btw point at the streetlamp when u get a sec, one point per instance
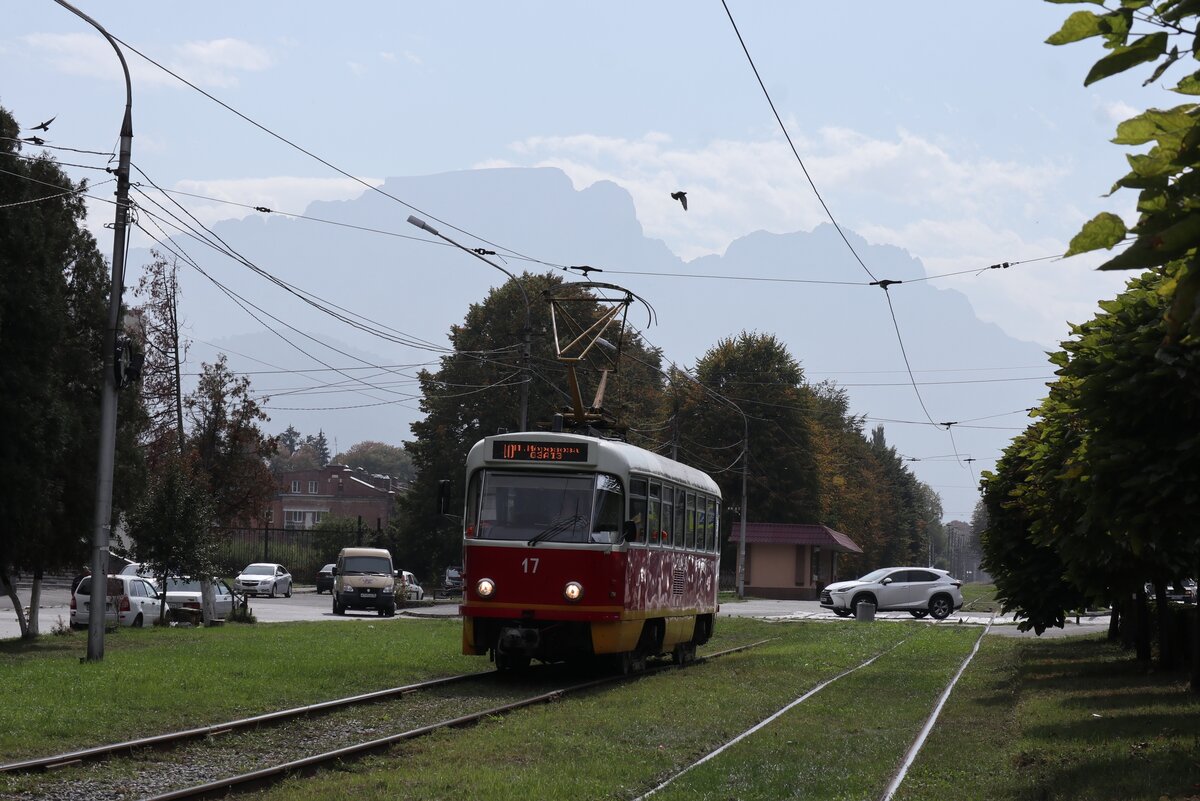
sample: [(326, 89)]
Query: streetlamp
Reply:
[(108, 396), (525, 334)]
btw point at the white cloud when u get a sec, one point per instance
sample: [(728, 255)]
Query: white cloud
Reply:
[(1116, 110), (356, 68), (953, 212), (214, 63)]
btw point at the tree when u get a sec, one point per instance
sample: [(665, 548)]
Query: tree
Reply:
[(320, 448), (230, 448), (752, 375), (53, 310), (378, 458), (1167, 232), (172, 525), (1105, 480), (165, 351)]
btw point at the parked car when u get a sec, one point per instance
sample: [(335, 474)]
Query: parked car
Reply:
[(183, 593), (412, 589), (452, 582), (129, 601), (264, 578), (325, 579), (1181, 591), (140, 570), (918, 590), (364, 578)]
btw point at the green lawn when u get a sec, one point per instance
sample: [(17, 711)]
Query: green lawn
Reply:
[(1070, 718)]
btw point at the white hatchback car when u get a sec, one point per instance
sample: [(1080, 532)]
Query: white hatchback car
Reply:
[(919, 591), (412, 590), (264, 578), (130, 601)]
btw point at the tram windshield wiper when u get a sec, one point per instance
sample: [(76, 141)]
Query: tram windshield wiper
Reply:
[(556, 528)]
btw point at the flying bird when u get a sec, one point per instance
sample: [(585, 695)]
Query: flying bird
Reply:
[(45, 126), (36, 140), (681, 197)]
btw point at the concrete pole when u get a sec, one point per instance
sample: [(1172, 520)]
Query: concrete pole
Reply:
[(108, 396), (741, 557)]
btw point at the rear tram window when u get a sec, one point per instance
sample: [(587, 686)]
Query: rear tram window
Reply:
[(654, 518), (637, 507)]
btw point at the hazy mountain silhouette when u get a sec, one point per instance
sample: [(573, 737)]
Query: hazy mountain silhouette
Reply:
[(419, 289)]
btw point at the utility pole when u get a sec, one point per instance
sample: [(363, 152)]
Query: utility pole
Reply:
[(108, 396), (741, 553)]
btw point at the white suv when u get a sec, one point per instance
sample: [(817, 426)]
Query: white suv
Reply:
[(919, 591)]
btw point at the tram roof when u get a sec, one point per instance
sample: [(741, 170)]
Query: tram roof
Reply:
[(635, 459)]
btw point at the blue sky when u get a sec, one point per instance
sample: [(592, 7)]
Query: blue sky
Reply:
[(948, 129)]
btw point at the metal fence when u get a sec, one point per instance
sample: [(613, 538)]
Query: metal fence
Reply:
[(301, 551)]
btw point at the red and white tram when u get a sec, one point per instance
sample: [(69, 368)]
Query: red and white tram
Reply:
[(576, 546)]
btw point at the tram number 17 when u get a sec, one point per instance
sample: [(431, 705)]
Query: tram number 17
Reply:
[(530, 564)]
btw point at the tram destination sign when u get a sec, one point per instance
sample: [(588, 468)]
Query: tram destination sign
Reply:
[(525, 451)]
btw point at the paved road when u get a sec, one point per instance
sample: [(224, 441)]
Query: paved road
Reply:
[(307, 605)]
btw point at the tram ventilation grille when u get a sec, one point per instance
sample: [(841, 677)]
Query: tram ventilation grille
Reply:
[(678, 579)]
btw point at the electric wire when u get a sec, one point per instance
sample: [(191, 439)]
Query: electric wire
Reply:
[(883, 284), (327, 163)]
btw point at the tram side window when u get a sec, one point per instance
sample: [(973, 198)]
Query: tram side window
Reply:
[(680, 511), (609, 509), (654, 519), (668, 515), (471, 521), (637, 507), (710, 524), (690, 522)]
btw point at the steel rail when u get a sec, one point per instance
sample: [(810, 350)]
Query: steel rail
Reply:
[(270, 775), (174, 738)]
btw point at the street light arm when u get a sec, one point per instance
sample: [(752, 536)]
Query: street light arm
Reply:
[(127, 125), (424, 226), (525, 334)]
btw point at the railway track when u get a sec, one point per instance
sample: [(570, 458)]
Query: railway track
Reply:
[(212, 761), (910, 755)]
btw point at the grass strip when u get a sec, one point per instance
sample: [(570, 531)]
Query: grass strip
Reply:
[(1071, 718), (620, 742), (156, 680)]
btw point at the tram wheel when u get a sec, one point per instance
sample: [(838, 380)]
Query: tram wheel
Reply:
[(684, 653), (508, 663)]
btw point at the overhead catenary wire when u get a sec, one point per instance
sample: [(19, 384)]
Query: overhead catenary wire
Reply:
[(326, 162), (882, 284)]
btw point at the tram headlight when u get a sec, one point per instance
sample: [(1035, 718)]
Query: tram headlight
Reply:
[(485, 587), (573, 591)]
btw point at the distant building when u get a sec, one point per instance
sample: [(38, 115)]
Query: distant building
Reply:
[(306, 497), (792, 561)]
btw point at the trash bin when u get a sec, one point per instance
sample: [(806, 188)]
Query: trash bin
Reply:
[(864, 612)]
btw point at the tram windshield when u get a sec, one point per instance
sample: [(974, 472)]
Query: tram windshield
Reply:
[(541, 507)]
